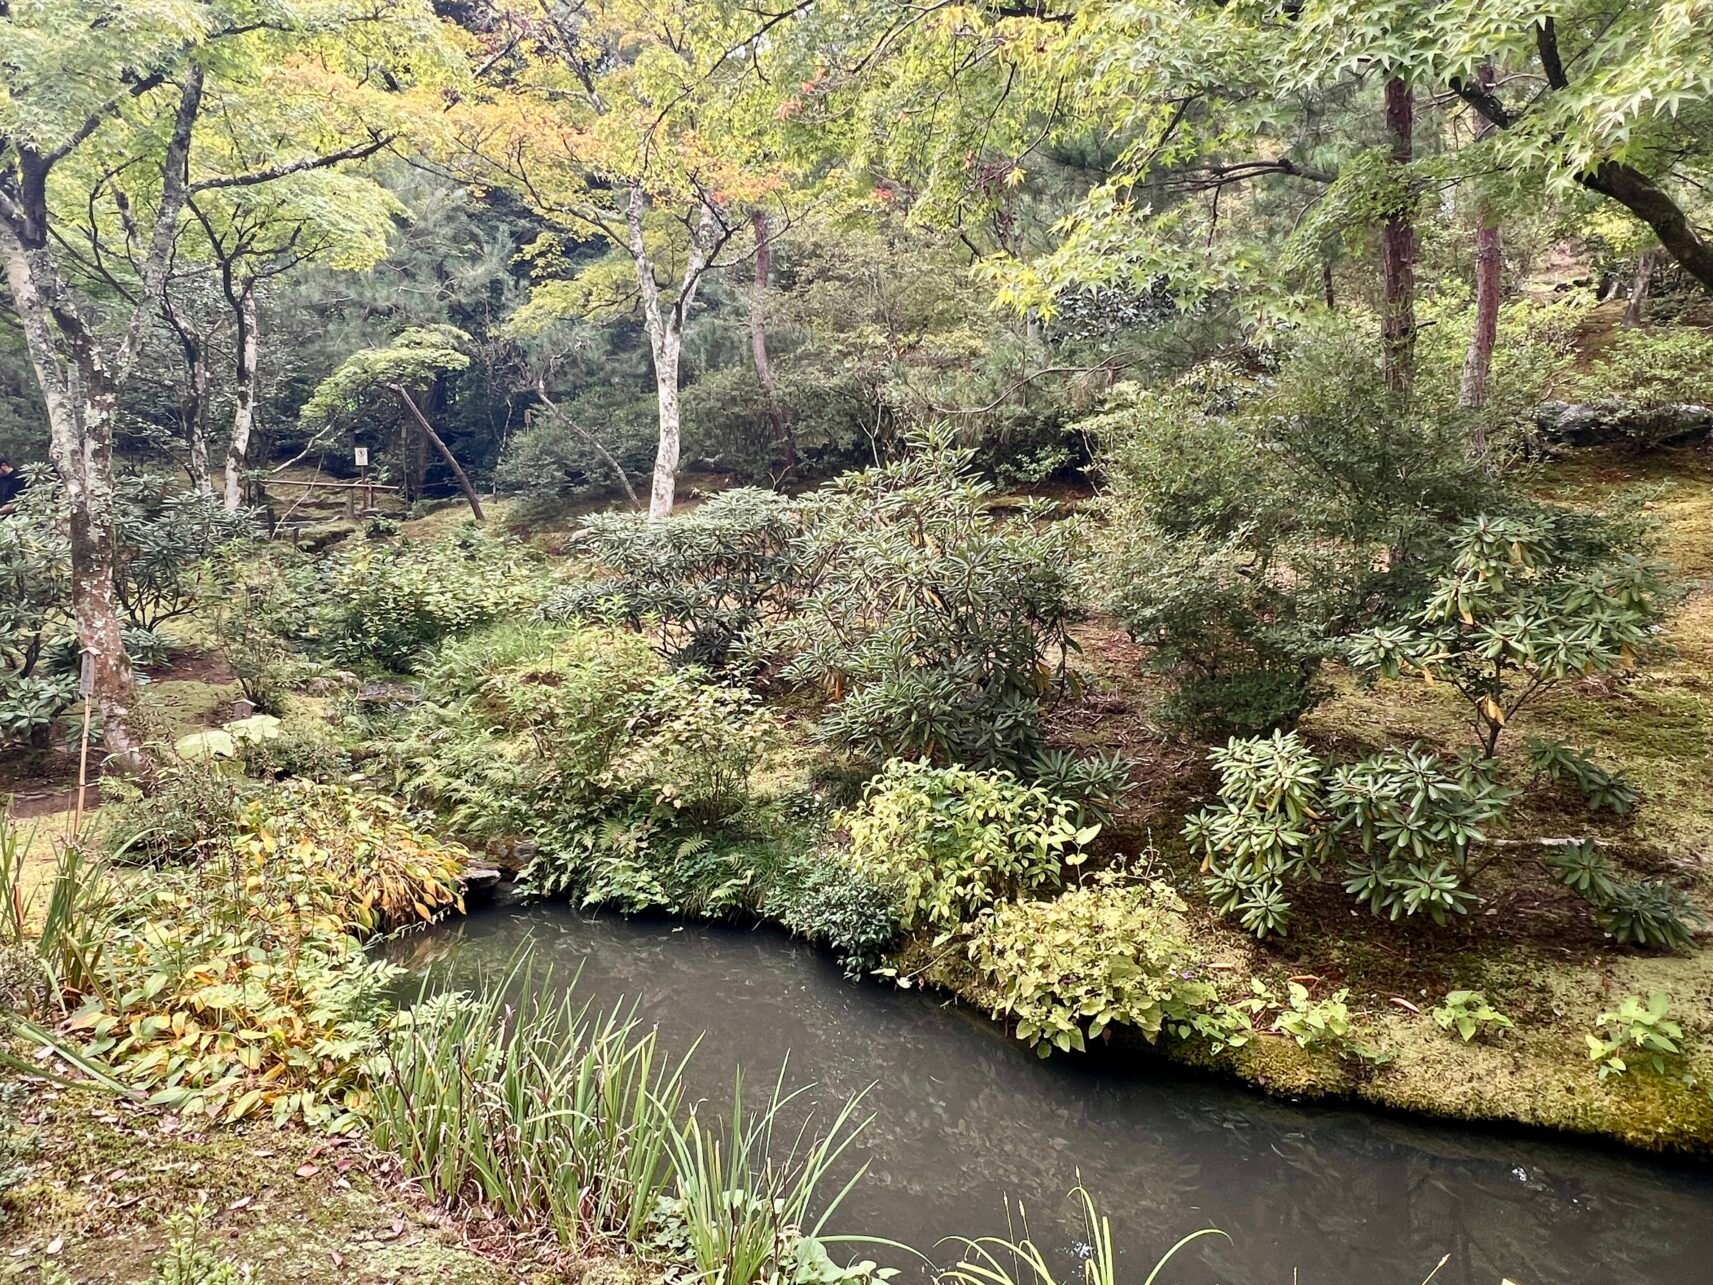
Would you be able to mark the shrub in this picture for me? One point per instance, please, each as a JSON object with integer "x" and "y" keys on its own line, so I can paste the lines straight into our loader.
{"x": 187, "y": 814}
{"x": 1642, "y": 1033}
{"x": 583, "y": 740}
{"x": 357, "y": 864}
{"x": 1101, "y": 955}
{"x": 950, "y": 841}
{"x": 936, "y": 630}
{"x": 1469, "y": 1014}
{"x": 1603, "y": 789}
{"x": 704, "y": 580}
{"x": 162, "y": 542}
{"x": 839, "y": 906}
{"x": 1252, "y": 521}
{"x": 1315, "y": 1023}
{"x": 1650, "y": 913}
{"x": 262, "y": 601}
{"x": 295, "y": 752}
{"x": 386, "y": 605}
{"x": 1404, "y": 819}
{"x": 1518, "y": 606}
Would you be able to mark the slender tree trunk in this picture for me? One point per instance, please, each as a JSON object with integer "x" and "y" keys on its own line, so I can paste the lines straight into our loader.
{"x": 434, "y": 438}
{"x": 778, "y": 418}
{"x": 244, "y": 396}
{"x": 1398, "y": 247}
{"x": 593, "y": 441}
{"x": 1638, "y": 304}
{"x": 666, "y": 333}
{"x": 193, "y": 412}
{"x": 1478, "y": 362}
{"x": 662, "y": 491}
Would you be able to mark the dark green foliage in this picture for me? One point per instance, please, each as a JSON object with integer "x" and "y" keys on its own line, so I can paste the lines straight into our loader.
{"x": 1583, "y": 868}
{"x": 1603, "y": 789}
{"x": 703, "y": 581}
{"x": 162, "y": 541}
{"x": 935, "y": 629}
{"x": 836, "y": 905}
{"x": 1252, "y": 522}
{"x": 1651, "y": 913}
{"x": 1648, "y": 912}
{"x": 187, "y": 815}
{"x": 384, "y": 606}
{"x": 1404, "y": 820}
{"x": 295, "y": 753}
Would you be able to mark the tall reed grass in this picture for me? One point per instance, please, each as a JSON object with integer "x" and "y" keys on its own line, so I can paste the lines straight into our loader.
{"x": 562, "y": 1117}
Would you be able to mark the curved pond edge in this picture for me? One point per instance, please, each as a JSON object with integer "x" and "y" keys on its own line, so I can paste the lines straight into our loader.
{"x": 1538, "y": 1082}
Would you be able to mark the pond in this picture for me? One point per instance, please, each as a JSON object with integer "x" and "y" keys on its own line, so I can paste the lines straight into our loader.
{"x": 966, "y": 1119}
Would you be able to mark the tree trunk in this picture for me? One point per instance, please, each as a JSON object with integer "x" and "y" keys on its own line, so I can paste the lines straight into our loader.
{"x": 1478, "y": 362}
{"x": 80, "y": 444}
{"x": 593, "y": 441}
{"x": 666, "y": 334}
{"x": 193, "y": 413}
{"x": 1398, "y": 247}
{"x": 244, "y": 394}
{"x": 662, "y": 489}
{"x": 1638, "y": 304}
{"x": 445, "y": 453}
{"x": 777, "y": 417}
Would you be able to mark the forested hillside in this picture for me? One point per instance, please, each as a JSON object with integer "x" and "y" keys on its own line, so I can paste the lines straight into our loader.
{"x": 1183, "y": 527}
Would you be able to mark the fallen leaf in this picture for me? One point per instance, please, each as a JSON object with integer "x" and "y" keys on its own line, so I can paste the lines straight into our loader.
{"x": 54, "y": 1246}
{"x": 1401, "y": 1002}
{"x": 239, "y": 1203}
{"x": 308, "y": 1170}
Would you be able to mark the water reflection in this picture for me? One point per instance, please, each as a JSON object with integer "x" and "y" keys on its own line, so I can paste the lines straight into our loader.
{"x": 965, "y": 1118}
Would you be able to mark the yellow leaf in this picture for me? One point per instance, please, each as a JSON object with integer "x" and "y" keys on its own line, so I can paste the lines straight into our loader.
{"x": 1492, "y": 710}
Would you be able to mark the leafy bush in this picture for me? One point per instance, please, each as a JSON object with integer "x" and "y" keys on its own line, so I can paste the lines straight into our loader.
{"x": 1520, "y": 605}
{"x": 386, "y": 605}
{"x": 1096, "y": 956}
{"x": 935, "y": 629}
{"x": 1650, "y": 913}
{"x": 1639, "y": 1033}
{"x": 186, "y": 815}
{"x": 704, "y": 580}
{"x": 1604, "y": 790}
{"x": 1251, "y": 522}
{"x": 1316, "y": 1023}
{"x": 261, "y": 602}
{"x": 839, "y": 906}
{"x": 1404, "y": 819}
{"x": 584, "y": 742}
{"x": 950, "y": 841}
{"x": 295, "y": 752}
{"x": 163, "y": 540}
{"x": 214, "y": 1008}
{"x": 31, "y": 706}
{"x": 358, "y": 864}
{"x": 1644, "y": 370}
{"x": 1469, "y": 1014}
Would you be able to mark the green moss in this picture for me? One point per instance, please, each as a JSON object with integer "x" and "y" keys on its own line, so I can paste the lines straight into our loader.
{"x": 181, "y": 706}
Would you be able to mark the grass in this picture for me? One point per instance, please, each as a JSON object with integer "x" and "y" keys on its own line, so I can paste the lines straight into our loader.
{"x": 573, "y": 1122}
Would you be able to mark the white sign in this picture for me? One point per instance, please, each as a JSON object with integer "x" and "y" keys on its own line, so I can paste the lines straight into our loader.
{"x": 362, "y": 453}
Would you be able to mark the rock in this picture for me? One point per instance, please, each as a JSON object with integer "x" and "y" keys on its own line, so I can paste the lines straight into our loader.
{"x": 480, "y": 884}
{"x": 1615, "y": 420}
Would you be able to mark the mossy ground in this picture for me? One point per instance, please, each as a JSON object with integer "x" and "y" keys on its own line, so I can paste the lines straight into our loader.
{"x": 89, "y": 1184}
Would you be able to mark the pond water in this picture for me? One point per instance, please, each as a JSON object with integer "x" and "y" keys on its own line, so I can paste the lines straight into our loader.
{"x": 966, "y": 1119}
